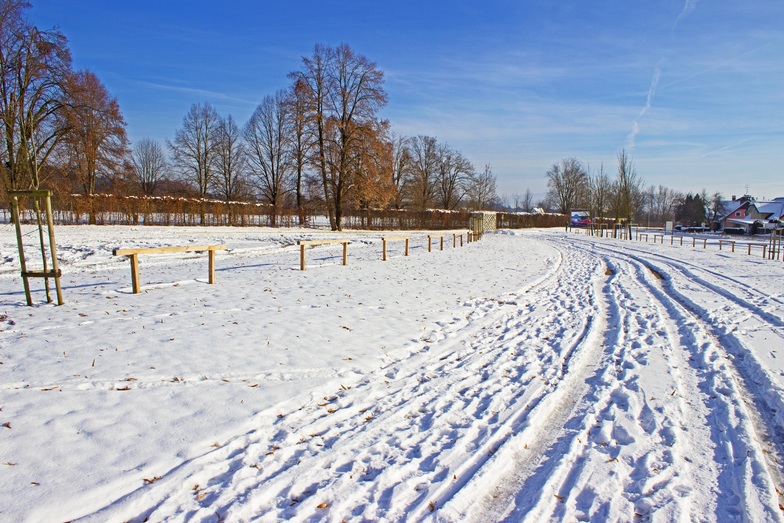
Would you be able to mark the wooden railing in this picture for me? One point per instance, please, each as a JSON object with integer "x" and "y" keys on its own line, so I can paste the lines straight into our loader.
{"x": 133, "y": 254}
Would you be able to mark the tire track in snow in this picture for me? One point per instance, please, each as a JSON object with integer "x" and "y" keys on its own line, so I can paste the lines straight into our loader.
{"x": 725, "y": 319}
{"x": 638, "y": 398}
{"x": 499, "y": 480}
{"x": 599, "y": 417}
{"x": 381, "y": 437}
{"x": 745, "y": 404}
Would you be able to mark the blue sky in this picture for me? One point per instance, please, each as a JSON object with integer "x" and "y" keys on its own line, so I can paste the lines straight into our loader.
{"x": 693, "y": 90}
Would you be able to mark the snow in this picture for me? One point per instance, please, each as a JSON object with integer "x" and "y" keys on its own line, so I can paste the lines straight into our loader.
{"x": 531, "y": 376}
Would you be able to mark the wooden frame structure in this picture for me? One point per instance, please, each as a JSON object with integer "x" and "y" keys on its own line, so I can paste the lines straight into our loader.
{"x": 304, "y": 243}
{"x": 431, "y": 237}
{"x": 386, "y": 239}
{"x": 133, "y": 254}
{"x": 46, "y": 273}
{"x": 731, "y": 242}
{"x": 763, "y": 245}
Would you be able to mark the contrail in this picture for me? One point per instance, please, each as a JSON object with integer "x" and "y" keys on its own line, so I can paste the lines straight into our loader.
{"x": 648, "y": 102}
{"x": 688, "y": 7}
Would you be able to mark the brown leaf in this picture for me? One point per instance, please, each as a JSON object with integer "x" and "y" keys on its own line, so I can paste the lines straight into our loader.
{"x": 7, "y": 424}
{"x": 50, "y": 388}
{"x": 322, "y": 505}
{"x": 148, "y": 481}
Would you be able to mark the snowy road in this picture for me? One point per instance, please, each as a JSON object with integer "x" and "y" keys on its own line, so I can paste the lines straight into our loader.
{"x": 531, "y": 376}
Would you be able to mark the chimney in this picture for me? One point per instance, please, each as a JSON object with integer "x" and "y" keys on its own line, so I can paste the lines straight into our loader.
{"x": 733, "y": 197}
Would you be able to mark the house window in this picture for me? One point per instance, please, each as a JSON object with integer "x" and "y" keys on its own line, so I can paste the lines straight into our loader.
{"x": 737, "y": 213}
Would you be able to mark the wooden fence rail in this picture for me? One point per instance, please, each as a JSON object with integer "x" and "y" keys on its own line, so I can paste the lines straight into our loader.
{"x": 386, "y": 239}
{"x": 133, "y": 254}
{"x": 304, "y": 243}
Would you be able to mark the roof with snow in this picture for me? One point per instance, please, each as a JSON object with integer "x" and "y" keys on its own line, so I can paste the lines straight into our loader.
{"x": 774, "y": 208}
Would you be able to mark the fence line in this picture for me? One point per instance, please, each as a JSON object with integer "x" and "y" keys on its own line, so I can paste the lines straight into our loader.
{"x": 164, "y": 210}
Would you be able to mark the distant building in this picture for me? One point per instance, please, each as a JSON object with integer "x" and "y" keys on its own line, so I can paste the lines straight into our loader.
{"x": 765, "y": 215}
{"x": 735, "y": 209}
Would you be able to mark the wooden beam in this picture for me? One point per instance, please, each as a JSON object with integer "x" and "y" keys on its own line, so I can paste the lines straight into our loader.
{"x": 303, "y": 243}
{"x": 386, "y": 239}
{"x": 163, "y": 250}
{"x": 133, "y": 255}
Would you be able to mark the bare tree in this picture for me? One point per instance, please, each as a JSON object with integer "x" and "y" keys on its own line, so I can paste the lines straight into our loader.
{"x": 454, "y": 173}
{"x": 266, "y": 136}
{"x": 566, "y": 184}
{"x": 300, "y": 140}
{"x": 313, "y": 84}
{"x": 528, "y": 200}
{"x": 663, "y": 206}
{"x": 422, "y": 171}
{"x": 230, "y": 161}
{"x": 401, "y": 162}
{"x": 599, "y": 193}
{"x": 34, "y": 68}
{"x": 717, "y": 209}
{"x": 149, "y": 164}
{"x": 193, "y": 147}
{"x": 344, "y": 93}
{"x": 354, "y": 101}
{"x": 96, "y": 143}
{"x": 628, "y": 187}
{"x": 482, "y": 189}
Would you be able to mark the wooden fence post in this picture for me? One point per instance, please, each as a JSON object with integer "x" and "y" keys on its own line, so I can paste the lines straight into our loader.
{"x": 212, "y": 266}
{"x": 135, "y": 273}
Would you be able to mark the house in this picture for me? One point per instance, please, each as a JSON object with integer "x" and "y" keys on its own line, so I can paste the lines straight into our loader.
{"x": 769, "y": 213}
{"x": 735, "y": 209}
{"x": 766, "y": 215}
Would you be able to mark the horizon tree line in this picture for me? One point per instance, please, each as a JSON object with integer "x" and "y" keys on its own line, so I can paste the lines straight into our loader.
{"x": 571, "y": 185}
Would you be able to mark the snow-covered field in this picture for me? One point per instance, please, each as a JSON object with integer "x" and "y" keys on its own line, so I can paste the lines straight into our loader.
{"x": 530, "y": 376}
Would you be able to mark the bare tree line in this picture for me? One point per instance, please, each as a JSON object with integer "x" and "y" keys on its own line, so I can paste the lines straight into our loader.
{"x": 318, "y": 143}
{"x": 623, "y": 196}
